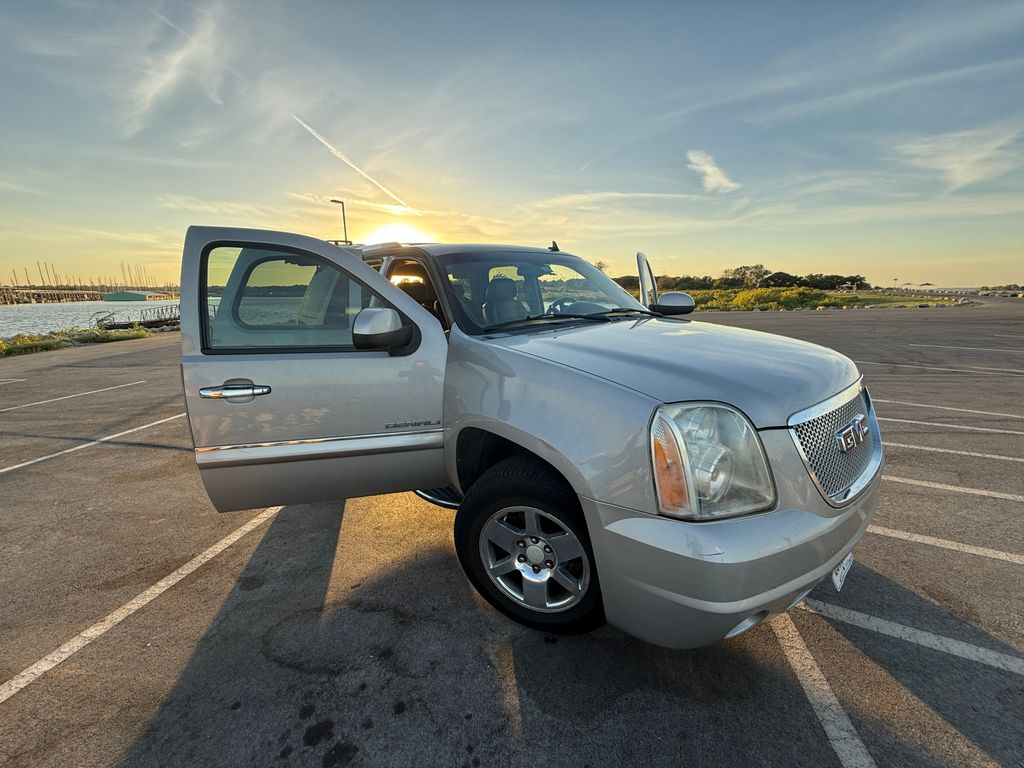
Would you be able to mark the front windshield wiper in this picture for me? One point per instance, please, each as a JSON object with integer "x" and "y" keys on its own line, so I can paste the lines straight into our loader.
{"x": 599, "y": 317}
{"x": 623, "y": 310}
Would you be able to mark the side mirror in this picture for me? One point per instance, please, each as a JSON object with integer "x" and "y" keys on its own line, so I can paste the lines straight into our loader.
{"x": 674, "y": 304}
{"x": 380, "y": 328}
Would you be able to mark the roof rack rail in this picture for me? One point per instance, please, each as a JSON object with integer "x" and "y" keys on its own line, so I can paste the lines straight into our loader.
{"x": 380, "y": 247}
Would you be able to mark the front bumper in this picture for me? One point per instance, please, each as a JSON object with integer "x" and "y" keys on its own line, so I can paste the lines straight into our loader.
{"x": 683, "y": 584}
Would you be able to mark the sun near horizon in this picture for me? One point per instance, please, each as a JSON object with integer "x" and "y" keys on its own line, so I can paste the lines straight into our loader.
{"x": 397, "y": 233}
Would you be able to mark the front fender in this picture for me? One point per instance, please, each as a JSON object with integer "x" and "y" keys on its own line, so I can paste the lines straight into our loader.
{"x": 591, "y": 430}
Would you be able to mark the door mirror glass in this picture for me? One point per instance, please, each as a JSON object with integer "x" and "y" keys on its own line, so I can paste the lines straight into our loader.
{"x": 674, "y": 304}
{"x": 381, "y": 328}
{"x": 648, "y": 285}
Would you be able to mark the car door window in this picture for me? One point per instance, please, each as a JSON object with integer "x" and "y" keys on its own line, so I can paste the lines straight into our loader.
{"x": 265, "y": 299}
{"x": 412, "y": 278}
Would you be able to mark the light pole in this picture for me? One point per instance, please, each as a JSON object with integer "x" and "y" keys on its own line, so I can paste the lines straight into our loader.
{"x": 344, "y": 224}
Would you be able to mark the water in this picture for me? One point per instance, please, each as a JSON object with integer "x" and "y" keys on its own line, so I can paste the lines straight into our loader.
{"x": 44, "y": 318}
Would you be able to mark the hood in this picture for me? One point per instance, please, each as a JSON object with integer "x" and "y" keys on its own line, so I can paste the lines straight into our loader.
{"x": 768, "y": 377}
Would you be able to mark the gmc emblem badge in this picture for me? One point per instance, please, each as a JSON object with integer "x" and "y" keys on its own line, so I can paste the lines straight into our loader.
{"x": 853, "y": 434}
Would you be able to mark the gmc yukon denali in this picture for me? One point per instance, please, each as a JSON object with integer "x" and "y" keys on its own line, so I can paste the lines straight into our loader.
{"x": 607, "y": 458}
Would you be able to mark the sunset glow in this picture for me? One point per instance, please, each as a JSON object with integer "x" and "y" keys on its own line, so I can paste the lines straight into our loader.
{"x": 704, "y": 140}
{"x": 397, "y": 233}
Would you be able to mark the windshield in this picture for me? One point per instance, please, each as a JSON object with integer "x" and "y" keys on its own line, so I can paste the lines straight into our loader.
{"x": 489, "y": 289}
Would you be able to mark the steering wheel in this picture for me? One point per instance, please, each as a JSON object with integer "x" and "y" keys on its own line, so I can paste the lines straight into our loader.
{"x": 558, "y": 305}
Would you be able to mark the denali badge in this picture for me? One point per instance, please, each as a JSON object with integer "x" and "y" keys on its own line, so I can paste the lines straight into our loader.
{"x": 404, "y": 424}
{"x": 853, "y": 434}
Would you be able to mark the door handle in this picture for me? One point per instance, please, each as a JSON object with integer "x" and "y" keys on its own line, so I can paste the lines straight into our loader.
{"x": 233, "y": 390}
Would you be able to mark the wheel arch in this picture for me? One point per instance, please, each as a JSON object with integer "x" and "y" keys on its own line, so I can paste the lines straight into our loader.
{"x": 480, "y": 447}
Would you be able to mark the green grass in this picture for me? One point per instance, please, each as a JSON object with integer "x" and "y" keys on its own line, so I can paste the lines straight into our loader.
{"x": 27, "y": 343}
{"x": 740, "y": 299}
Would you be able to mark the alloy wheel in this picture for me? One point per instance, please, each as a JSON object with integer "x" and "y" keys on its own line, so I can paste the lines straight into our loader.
{"x": 534, "y": 558}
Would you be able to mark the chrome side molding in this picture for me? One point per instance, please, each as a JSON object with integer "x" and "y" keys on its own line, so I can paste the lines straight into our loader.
{"x": 274, "y": 451}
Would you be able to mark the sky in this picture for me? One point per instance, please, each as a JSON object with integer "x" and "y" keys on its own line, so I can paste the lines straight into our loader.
{"x": 875, "y": 138}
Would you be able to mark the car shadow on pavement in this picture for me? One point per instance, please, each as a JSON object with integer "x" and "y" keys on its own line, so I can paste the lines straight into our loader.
{"x": 228, "y": 693}
{"x": 89, "y": 439}
{"x": 983, "y": 703}
{"x": 372, "y": 649}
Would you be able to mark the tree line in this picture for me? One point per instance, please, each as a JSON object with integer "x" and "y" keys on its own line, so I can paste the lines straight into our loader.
{"x": 749, "y": 276}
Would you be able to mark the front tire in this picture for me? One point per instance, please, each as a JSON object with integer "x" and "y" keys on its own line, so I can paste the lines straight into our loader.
{"x": 522, "y": 541}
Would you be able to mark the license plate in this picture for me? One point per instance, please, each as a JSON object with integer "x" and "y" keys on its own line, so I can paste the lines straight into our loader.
{"x": 839, "y": 574}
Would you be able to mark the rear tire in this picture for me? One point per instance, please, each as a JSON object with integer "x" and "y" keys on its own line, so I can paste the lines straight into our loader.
{"x": 522, "y": 542}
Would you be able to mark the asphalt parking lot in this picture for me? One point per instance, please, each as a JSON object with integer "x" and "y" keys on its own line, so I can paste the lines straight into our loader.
{"x": 345, "y": 633}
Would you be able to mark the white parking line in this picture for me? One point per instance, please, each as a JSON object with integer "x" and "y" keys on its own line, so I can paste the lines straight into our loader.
{"x": 9, "y": 381}
{"x": 948, "y": 408}
{"x": 956, "y": 546}
{"x": 988, "y": 368}
{"x": 978, "y": 370}
{"x": 953, "y": 426}
{"x": 66, "y": 451}
{"x": 68, "y": 397}
{"x": 74, "y": 645}
{"x": 996, "y": 456}
{"x": 840, "y": 731}
{"x": 976, "y": 349}
{"x": 1003, "y": 661}
{"x": 956, "y": 488}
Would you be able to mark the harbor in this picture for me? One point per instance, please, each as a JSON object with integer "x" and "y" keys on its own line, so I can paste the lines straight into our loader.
{"x": 34, "y": 294}
{"x": 55, "y": 287}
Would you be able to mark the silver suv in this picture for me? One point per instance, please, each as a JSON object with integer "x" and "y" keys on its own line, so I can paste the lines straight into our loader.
{"x": 608, "y": 459}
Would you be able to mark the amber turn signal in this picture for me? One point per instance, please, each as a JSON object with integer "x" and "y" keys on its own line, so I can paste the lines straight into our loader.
{"x": 669, "y": 470}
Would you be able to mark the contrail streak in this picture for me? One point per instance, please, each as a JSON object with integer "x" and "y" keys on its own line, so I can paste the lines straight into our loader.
{"x": 344, "y": 158}
{"x": 312, "y": 131}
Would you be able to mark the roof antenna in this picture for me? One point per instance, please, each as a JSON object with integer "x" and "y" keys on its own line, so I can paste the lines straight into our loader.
{"x": 554, "y": 246}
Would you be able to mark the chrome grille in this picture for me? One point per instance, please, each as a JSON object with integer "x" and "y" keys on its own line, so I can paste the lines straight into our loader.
{"x": 836, "y": 472}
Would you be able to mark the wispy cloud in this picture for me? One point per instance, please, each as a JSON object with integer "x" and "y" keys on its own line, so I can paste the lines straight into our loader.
{"x": 217, "y": 207}
{"x": 966, "y": 157}
{"x": 849, "y": 97}
{"x": 713, "y": 177}
{"x": 48, "y": 230}
{"x": 792, "y": 216}
{"x": 943, "y": 28}
{"x": 7, "y": 184}
{"x": 199, "y": 55}
{"x": 586, "y": 200}
{"x": 834, "y": 68}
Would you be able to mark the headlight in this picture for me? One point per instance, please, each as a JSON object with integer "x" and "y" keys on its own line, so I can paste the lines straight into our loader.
{"x": 708, "y": 462}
